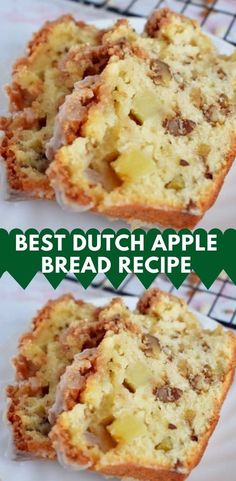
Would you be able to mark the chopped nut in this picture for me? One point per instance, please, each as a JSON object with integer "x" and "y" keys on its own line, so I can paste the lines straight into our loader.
{"x": 178, "y": 126}
{"x": 221, "y": 73}
{"x": 161, "y": 73}
{"x": 136, "y": 118}
{"x": 208, "y": 374}
{"x": 178, "y": 465}
{"x": 183, "y": 162}
{"x": 172, "y": 426}
{"x": 212, "y": 115}
{"x": 168, "y": 393}
{"x": 205, "y": 346}
{"x": 191, "y": 205}
{"x": 199, "y": 382}
{"x": 195, "y": 381}
{"x": 151, "y": 345}
{"x": 177, "y": 183}
{"x": 128, "y": 386}
{"x": 194, "y": 437}
{"x": 224, "y": 104}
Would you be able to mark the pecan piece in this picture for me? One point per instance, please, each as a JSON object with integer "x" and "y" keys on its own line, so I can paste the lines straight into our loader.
{"x": 151, "y": 345}
{"x": 191, "y": 206}
{"x": 221, "y": 73}
{"x": 183, "y": 162}
{"x": 168, "y": 394}
{"x": 208, "y": 374}
{"x": 160, "y": 72}
{"x": 196, "y": 382}
{"x": 205, "y": 346}
{"x": 209, "y": 175}
{"x": 178, "y": 126}
{"x": 172, "y": 426}
{"x": 224, "y": 104}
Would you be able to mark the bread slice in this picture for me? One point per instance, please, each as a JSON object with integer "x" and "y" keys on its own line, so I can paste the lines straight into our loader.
{"x": 150, "y": 397}
{"x": 153, "y": 135}
{"x": 36, "y": 91}
{"x": 91, "y": 59}
{"x": 60, "y": 330}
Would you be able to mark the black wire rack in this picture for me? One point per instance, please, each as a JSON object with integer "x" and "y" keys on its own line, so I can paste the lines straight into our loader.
{"x": 219, "y": 302}
{"x": 218, "y": 17}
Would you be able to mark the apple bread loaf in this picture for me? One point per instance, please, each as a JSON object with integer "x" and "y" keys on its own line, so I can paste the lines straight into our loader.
{"x": 150, "y": 397}
{"x": 59, "y": 331}
{"x": 151, "y": 137}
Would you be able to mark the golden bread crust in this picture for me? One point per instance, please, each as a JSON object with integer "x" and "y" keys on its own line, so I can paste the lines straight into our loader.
{"x": 19, "y": 97}
{"x": 151, "y": 215}
{"x": 143, "y": 473}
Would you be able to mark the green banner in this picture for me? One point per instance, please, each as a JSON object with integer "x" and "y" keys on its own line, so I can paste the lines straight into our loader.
{"x": 118, "y": 254}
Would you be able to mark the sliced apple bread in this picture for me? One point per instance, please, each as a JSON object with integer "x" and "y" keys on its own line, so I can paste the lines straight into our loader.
{"x": 150, "y": 397}
{"x": 151, "y": 137}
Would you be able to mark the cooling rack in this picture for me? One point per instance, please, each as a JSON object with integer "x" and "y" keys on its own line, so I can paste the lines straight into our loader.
{"x": 218, "y": 302}
{"x": 219, "y": 18}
